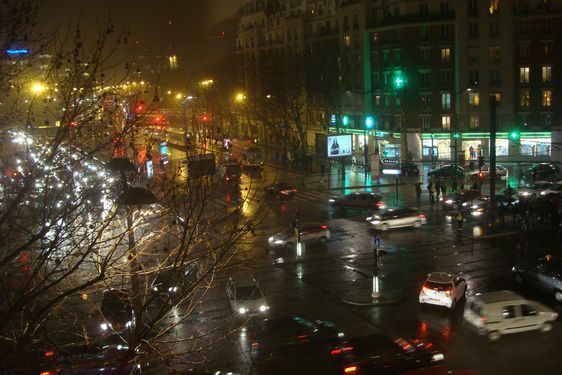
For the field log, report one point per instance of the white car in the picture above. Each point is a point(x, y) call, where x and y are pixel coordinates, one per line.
point(403, 217)
point(443, 289)
point(501, 172)
point(554, 189)
point(308, 232)
point(534, 189)
point(245, 296)
point(502, 312)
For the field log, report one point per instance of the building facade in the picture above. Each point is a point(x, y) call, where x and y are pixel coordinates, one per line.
point(424, 70)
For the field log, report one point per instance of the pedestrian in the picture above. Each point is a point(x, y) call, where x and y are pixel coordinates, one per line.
point(437, 189)
point(418, 191)
point(471, 165)
point(430, 190)
point(443, 189)
point(459, 219)
point(322, 172)
point(462, 185)
point(471, 151)
point(454, 186)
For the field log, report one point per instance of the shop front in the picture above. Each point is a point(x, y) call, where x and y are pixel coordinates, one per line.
point(436, 147)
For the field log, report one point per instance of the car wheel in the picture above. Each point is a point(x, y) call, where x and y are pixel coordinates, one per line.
point(558, 295)
point(384, 227)
point(417, 224)
point(323, 240)
point(494, 336)
point(546, 327)
point(518, 278)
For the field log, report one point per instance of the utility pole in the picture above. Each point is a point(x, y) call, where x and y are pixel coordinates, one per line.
point(492, 147)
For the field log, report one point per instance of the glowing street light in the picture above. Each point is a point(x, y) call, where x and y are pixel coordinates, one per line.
point(240, 97)
point(38, 88)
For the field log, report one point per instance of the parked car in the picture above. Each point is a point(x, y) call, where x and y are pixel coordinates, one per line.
point(116, 311)
point(484, 172)
point(398, 218)
point(503, 312)
point(463, 199)
point(171, 284)
point(358, 200)
point(544, 273)
point(554, 189)
point(308, 232)
point(280, 191)
point(410, 169)
point(380, 354)
point(534, 189)
point(447, 171)
point(245, 296)
point(544, 171)
point(443, 289)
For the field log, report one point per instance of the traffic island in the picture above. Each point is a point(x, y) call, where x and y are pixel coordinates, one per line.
point(373, 292)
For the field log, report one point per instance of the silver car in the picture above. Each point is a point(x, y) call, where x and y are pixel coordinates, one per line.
point(545, 274)
point(398, 218)
point(308, 232)
point(534, 189)
point(245, 296)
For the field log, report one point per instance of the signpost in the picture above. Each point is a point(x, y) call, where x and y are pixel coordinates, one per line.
point(201, 165)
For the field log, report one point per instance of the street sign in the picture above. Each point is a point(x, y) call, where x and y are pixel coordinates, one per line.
point(390, 161)
point(201, 165)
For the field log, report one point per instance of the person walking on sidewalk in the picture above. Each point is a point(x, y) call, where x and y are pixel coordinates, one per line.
point(430, 190)
point(437, 189)
point(418, 188)
point(443, 189)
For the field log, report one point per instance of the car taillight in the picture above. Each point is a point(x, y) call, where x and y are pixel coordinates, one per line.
point(380, 204)
point(351, 370)
point(324, 227)
point(448, 292)
point(484, 319)
point(49, 353)
point(302, 337)
point(425, 289)
point(421, 216)
point(47, 373)
point(294, 190)
point(339, 351)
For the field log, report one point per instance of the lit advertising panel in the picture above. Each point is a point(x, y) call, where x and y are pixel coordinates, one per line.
point(339, 145)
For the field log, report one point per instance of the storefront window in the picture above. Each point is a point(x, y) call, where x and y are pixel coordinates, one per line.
point(535, 147)
point(441, 148)
point(472, 149)
point(502, 147)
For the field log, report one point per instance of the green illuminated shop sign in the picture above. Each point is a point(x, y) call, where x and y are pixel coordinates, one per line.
point(504, 135)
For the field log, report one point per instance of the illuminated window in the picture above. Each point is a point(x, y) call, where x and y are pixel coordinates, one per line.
point(446, 101)
point(524, 98)
point(546, 72)
point(494, 6)
point(474, 98)
point(446, 122)
point(498, 96)
point(445, 55)
point(347, 41)
point(546, 98)
point(524, 74)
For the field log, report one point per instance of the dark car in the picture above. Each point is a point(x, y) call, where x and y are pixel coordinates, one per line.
point(462, 200)
point(232, 172)
point(279, 345)
point(447, 171)
point(410, 169)
point(358, 200)
point(545, 274)
point(280, 191)
point(116, 311)
point(171, 284)
point(380, 354)
point(544, 171)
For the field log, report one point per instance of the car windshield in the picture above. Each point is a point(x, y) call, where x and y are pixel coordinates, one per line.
point(250, 292)
point(437, 286)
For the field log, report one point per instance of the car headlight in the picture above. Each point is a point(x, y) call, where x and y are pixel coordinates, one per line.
point(369, 218)
point(278, 242)
point(104, 326)
point(264, 308)
point(341, 334)
point(331, 200)
point(477, 213)
point(270, 239)
point(155, 288)
point(449, 201)
point(543, 192)
point(375, 222)
point(437, 357)
point(129, 324)
point(242, 310)
point(525, 193)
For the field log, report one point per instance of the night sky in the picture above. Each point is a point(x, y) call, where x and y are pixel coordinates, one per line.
point(193, 35)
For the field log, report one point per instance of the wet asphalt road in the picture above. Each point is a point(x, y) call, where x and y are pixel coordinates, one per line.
point(333, 281)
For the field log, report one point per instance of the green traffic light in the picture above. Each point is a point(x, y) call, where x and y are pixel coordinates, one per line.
point(399, 81)
point(456, 135)
point(369, 122)
point(345, 120)
point(514, 135)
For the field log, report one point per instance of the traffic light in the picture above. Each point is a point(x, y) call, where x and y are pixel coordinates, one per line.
point(139, 107)
point(345, 120)
point(514, 135)
point(456, 135)
point(399, 81)
point(369, 122)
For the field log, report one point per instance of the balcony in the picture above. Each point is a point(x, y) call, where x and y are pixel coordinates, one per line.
point(412, 18)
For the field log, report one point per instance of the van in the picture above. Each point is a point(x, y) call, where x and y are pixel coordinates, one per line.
point(502, 312)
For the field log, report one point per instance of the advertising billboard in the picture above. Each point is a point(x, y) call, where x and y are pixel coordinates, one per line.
point(201, 165)
point(339, 145)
